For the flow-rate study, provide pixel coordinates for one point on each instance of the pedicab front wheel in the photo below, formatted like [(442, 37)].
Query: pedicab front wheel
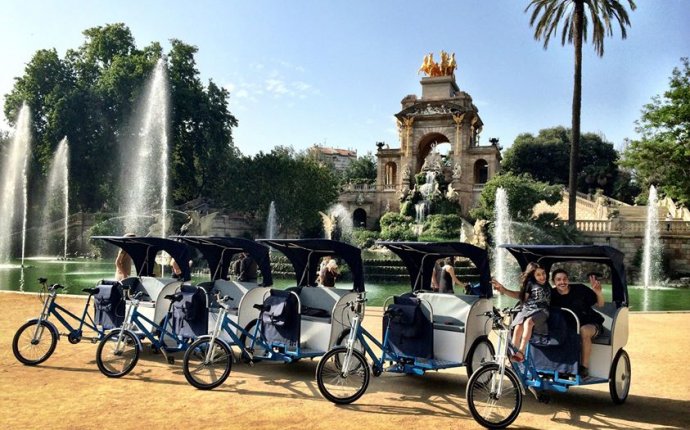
[(619, 381), (339, 385), (34, 343), (207, 365), (117, 356), (494, 400)]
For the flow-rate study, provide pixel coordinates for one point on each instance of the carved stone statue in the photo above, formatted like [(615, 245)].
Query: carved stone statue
[(457, 171)]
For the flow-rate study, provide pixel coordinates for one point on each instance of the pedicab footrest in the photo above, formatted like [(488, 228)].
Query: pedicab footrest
[(431, 363)]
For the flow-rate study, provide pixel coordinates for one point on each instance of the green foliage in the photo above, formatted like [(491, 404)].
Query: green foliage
[(523, 193), (549, 229), (361, 171), (662, 156), (90, 94), (443, 206), (443, 227), (407, 209), (546, 158), (364, 238), (299, 186), (396, 227)]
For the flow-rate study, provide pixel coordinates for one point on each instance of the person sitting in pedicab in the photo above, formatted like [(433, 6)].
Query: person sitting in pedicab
[(534, 297)]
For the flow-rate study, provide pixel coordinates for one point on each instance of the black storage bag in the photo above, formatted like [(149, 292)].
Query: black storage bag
[(411, 332), (190, 313), (281, 319), (109, 305), (559, 351)]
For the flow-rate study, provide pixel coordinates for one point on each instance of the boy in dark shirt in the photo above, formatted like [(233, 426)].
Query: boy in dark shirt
[(580, 300)]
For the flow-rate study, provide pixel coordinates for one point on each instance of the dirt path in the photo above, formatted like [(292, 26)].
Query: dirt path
[(68, 391)]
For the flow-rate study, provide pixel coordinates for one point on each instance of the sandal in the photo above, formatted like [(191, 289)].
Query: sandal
[(518, 357)]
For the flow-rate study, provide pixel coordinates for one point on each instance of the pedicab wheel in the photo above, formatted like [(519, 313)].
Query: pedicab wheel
[(482, 351), (342, 386), (619, 381), (488, 408), (257, 350), (116, 361), (32, 352), (203, 374)]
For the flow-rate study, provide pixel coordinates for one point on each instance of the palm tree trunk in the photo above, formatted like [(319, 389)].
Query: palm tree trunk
[(577, 104)]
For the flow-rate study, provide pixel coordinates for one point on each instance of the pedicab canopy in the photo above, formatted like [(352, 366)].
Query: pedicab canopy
[(143, 251), (420, 257), (547, 255), (219, 252), (305, 256)]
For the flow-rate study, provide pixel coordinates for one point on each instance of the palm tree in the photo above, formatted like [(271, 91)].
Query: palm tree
[(547, 15)]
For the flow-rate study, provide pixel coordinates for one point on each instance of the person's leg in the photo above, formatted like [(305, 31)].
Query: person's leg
[(517, 334), (526, 334), (587, 332)]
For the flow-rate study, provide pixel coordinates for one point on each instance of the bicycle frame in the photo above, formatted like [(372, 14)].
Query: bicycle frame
[(50, 307), (359, 333)]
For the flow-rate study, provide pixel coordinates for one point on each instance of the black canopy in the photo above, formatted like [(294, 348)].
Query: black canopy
[(143, 251), (547, 255), (304, 254), (219, 251), (419, 258)]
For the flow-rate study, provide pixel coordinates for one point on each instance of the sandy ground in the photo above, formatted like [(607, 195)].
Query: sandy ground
[(68, 392)]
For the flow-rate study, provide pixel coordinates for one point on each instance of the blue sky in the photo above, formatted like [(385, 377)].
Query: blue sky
[(334, 72)]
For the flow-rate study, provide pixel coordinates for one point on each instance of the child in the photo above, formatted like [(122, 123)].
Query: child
[(535, 297)]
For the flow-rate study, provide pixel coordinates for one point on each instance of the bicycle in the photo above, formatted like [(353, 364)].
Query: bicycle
[(36, 340)]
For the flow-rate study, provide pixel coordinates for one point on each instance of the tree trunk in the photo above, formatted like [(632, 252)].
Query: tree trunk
[(577, 102)]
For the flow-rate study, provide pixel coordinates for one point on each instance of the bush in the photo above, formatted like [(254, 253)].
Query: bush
[(395, 226), (364, 238), (407, 209), (442, 226)]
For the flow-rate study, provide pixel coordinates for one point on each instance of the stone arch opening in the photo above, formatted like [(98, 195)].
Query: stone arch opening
[(481, 172), (426, 143), (359, 217), (390, 176)]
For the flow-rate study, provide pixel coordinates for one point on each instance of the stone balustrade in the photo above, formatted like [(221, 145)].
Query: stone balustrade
[(633, 227)]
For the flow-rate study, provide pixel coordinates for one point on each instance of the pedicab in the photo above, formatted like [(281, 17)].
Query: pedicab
[(422, 330), (494, 392), (36, 340), (219, 252), (169, 312), (300, 322)]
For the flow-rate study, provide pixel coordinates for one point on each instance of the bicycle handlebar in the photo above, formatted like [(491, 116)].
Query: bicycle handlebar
[(56, 287)]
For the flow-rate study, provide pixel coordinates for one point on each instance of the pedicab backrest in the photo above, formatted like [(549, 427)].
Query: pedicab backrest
[(560, 350), (410, 329), (190, 313), (109, 305), (281, 318)]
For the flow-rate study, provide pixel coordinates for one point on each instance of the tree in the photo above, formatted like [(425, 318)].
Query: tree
[(662, 156), (299, 186), (545, 158), (361, 170), (523, 193), (547, 15)]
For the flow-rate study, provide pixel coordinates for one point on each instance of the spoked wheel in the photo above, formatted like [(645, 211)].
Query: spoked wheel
[(206, 369), (257, 350), (619, 381), (482, 351), (339, 385), (488, 407), (34, 343), (117, 358)]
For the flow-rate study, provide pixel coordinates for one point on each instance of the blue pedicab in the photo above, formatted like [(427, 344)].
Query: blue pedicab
[(219, 253), (36, 340), (422, 330), (291, 325), (494, 392), (167, 311)]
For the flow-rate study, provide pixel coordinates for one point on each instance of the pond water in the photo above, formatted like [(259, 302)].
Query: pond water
[(78, 274)]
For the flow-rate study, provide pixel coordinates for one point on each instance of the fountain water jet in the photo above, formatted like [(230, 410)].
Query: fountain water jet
[(14, 168), (143, 185), (502, 235), (337, 223), (271, 221), (652, 248), (58, 186)]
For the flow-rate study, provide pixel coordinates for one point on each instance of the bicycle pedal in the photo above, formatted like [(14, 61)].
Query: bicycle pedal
[(171, 360)]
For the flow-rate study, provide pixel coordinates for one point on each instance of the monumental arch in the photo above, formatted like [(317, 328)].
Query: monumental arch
[(443, 114)]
